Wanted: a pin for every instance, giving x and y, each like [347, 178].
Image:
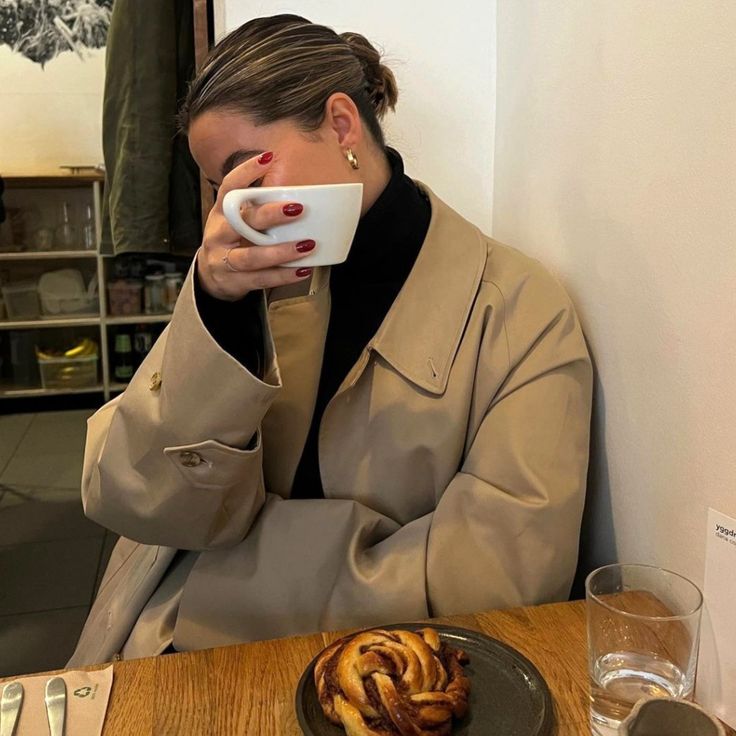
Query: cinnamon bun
[392, 683]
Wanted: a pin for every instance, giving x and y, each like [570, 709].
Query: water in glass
[620, 679]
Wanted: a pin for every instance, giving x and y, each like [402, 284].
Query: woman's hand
[228, 266]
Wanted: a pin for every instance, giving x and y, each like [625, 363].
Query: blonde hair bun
[381, 86]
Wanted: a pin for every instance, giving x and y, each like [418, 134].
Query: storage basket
[69, 372]
[21, 300]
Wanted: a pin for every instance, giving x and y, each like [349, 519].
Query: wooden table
[249, 689]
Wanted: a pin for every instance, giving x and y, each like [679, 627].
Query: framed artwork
[40, 30]
[52, 68]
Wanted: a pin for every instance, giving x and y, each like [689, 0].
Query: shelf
[38, 255]
[138, 319]
[52, 179]
[32, 324]
[83, 321]
[116, 386]
[19, 393]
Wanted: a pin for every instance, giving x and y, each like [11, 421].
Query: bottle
[123, 358]
[89, 234]
[142, 343]
[65, 234]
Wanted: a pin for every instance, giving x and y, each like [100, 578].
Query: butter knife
[10, 705]
[56, 705]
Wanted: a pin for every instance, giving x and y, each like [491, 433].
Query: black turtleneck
[363, 288]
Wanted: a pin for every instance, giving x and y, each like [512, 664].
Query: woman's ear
[342, 120]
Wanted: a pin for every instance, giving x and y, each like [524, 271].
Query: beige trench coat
[453, 459]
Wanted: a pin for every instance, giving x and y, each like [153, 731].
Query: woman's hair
[285, 66]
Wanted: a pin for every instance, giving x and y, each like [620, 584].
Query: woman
[404, 435]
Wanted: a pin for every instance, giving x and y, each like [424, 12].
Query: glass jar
[173, 285]
[43, 239]
[124, 297]
[154, 294]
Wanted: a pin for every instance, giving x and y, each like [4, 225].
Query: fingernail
[265, 158]
[293, 209]
[302, 272]
[304, 246]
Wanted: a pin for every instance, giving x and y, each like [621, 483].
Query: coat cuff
[235, 326]
[202, 391]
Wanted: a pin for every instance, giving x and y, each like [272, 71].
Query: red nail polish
[302, 272]
[265, 158]
[293, 209]
[304, 246]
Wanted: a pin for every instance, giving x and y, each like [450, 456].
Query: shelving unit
[7, 392]
[33, 324]
[138, 319]
[88, 189]
[45, 255]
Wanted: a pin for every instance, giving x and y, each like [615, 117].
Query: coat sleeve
[510, 519]
[163, 468]
[504, 533]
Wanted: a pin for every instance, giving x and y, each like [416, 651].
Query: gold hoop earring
[352, 158]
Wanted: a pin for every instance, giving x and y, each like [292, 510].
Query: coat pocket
[211, 464]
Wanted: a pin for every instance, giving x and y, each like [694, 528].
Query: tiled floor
[51, 556]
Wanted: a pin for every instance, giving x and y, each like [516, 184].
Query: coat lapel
[419, 336]
[422, 331]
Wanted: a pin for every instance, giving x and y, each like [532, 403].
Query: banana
[75, 351]
[85, 348]
[90, 347]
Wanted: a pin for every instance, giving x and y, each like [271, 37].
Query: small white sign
[716, 687]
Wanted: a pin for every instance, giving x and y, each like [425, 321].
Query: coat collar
[421, 332]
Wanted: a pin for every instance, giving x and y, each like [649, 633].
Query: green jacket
[152, 198]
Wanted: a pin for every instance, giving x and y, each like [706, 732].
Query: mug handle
[231, 204]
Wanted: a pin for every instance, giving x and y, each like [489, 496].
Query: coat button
[155, 383]
[190, 459]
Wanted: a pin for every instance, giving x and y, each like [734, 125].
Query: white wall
[444, 119]
[616, 164]
[50, 116]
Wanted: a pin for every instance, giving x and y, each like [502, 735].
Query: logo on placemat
[83, 692]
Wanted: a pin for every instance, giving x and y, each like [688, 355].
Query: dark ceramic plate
[507, 694]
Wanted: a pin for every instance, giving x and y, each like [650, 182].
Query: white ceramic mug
[330, 218]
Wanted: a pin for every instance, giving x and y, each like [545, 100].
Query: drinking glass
[643, 631]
